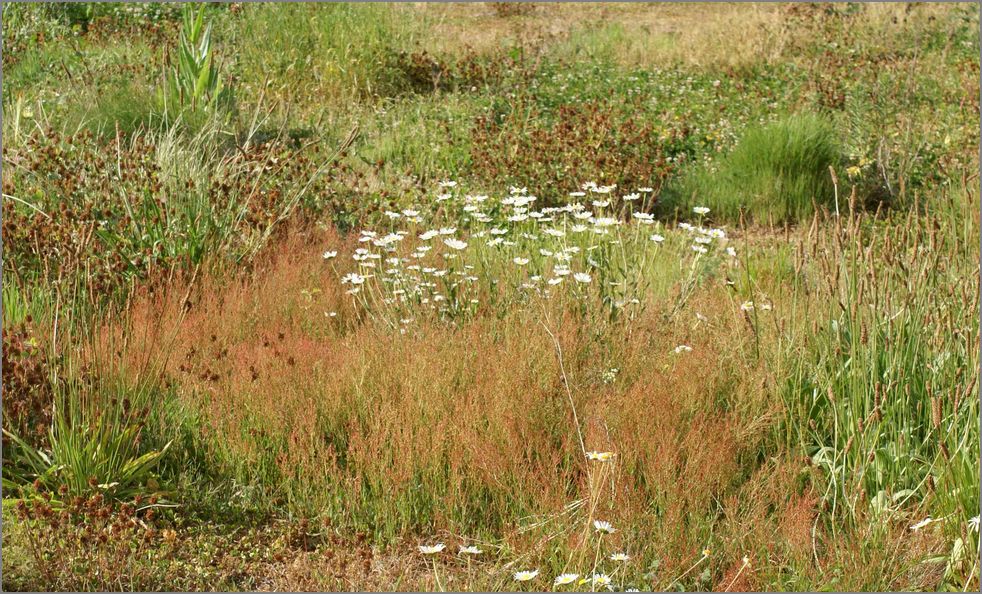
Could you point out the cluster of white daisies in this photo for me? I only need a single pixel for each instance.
(442, 255)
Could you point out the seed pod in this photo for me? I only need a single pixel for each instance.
(936, 412)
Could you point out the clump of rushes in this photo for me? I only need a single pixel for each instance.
(98, 440)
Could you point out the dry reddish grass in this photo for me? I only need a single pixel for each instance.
(478, 404)
(463, 431)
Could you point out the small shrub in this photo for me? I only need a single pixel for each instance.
(425, 72)
(776, 172)
(555, 150)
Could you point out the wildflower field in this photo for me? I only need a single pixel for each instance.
(491, 296)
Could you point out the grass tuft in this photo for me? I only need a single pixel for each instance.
(777, 172)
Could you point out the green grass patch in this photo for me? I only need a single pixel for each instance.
(776, 172)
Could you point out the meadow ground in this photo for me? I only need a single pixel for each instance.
(491, 297)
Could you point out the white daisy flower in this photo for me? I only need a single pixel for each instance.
(603, 222)
(432, 549)
(471, 550)
(683, 348)
(565, 579)
(582, 277)
(525, 576)
(603, 527)
(330, 254)
(455, 244)
(620, 557)
(700, 210)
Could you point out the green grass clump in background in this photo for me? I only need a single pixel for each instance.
(777, 172)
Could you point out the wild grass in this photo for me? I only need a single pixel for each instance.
(369, 328)
(883, 395)
(311, 54)
(777, 172)
(363, 419)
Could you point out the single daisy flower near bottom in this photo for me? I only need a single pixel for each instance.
(432, 549)
(565, 579)
(471, 550)
(601, 579)
(525, 576)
